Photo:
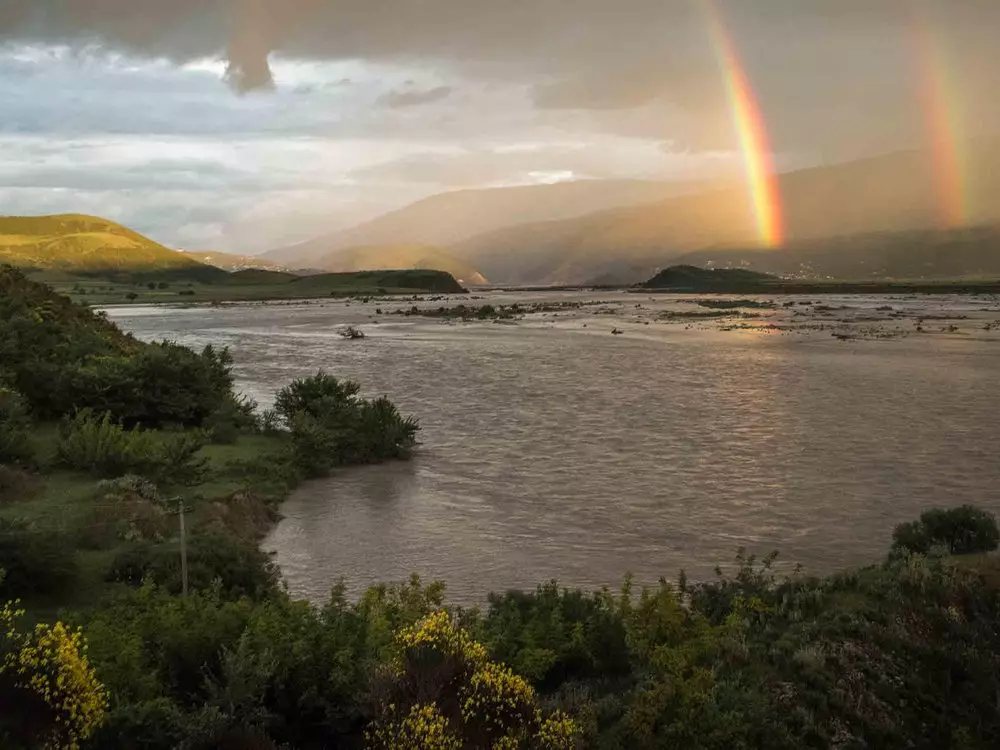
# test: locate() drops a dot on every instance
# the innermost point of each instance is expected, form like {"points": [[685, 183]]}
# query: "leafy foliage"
{"points": [[236, 415], [442, 691], [49, 693], [237, 567], [62, 357], [14, 421], [103, 447], [958, 531], [36, 561], [332, 425]]}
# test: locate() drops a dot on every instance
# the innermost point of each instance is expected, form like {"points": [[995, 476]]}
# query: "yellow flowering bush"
{"points": [[498, 701], [438, 633], [558, 732], [424, 727], [48, 667], [444, 692]]}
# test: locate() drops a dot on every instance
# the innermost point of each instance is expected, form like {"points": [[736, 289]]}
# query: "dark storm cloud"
{"points": [[834, 74]]}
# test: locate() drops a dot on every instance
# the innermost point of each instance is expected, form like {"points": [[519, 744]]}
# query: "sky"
{"points": [[245, 125]]}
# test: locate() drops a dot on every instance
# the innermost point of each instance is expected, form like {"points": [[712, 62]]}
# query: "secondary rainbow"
{"points": [[942, 109], [762, 181]]}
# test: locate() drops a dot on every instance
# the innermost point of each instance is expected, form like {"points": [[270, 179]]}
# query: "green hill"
{"points": [[91, 246], [693, 279]]}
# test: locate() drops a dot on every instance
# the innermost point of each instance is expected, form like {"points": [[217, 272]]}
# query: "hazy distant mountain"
{"points": [[89, 245], [971, 252], [399, 257], [894, 192], [449, 218]]}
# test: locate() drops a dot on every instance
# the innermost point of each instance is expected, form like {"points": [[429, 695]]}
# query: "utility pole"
{"points": [[184, 552]]}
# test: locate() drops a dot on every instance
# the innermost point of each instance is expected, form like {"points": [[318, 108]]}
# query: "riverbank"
{"points": [[246, 286]]}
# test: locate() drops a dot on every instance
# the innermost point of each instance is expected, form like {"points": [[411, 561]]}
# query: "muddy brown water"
{"points": [[553, 449]]}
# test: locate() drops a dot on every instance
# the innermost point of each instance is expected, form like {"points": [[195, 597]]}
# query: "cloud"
{"points": [[409, 98], [602, 157], [837, 75], [121, 107]]}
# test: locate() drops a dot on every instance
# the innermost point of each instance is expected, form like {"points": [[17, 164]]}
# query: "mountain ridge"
{"points": [[447, 218], [886, 193]]}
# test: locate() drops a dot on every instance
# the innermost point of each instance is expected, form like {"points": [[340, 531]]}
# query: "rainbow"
{"points": [[942, 112], [765, 195]]}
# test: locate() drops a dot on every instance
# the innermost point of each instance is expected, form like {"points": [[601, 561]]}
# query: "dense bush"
{"points": [[36, 561], [237, 566], [196, 671], [15, 484], [158, 384], [14, 422], [321, 396], [63, 357], [442, 690], [101, 446], [236, 416], [50, 696], [332, 425], [957, 531]]}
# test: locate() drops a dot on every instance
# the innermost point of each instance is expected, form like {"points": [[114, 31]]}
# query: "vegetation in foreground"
{"points": [[105, 652]]}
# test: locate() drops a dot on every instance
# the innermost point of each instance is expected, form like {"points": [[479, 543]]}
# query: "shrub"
{"points": [[177, 459], [314, 447], [49, 693], [14, 422], [379, 433], [128, 485], [101, 446], [331, 425], [270, 421], [36, 562], [15, 485], [963, 530], [443, 691], [321, 396], [236, 415], [155, 385], [239, 567]]}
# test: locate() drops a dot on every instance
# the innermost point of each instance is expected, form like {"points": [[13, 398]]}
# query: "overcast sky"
{"points": [[244, 125]]}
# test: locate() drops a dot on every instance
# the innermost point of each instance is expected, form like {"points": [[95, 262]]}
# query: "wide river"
{"points": [[553, 449]]}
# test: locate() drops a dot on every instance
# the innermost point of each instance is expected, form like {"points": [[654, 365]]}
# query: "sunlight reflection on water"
{"points": [[554, 450]]}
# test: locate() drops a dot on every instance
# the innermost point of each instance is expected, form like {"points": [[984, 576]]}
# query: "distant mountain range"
{"points": [[892, 193], [964, 253], [79, 244], [449, 218], [873, 218], [517, 236]]}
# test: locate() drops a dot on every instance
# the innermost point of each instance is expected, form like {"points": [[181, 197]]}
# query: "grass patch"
{"points": [[74, 504]]}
